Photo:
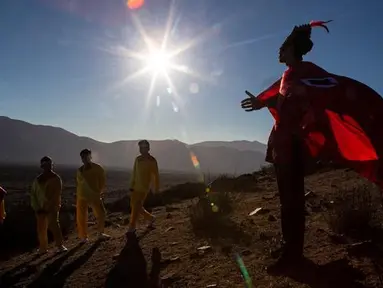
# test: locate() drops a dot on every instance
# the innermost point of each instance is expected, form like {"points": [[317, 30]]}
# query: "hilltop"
{"points": [[336, 258]]}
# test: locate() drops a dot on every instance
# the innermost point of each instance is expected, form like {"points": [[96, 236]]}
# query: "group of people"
{"points": [[46, 193]]}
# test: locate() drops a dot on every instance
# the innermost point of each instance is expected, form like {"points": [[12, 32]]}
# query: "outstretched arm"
{"points": [[267, 98]]}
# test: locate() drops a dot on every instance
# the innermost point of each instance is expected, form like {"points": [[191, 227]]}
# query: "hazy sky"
{"points": [[64, 62]]}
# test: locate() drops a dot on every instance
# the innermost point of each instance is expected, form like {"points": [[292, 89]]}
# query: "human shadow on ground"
{"points": [[332, 275], [130, 269], [54, 275], [24, 270]]}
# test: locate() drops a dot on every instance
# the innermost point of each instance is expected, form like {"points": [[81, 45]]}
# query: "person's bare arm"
{"points": [[254, 103]]}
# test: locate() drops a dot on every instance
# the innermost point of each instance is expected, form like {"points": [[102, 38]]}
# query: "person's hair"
{"points": [[85, 152], [300, 38], [46, 159], [143, 143]]}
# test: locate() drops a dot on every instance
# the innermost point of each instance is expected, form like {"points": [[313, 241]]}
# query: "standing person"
{"points": [[46, 202], [145, 173], [318, 116], [90, 186], [3, 214]]}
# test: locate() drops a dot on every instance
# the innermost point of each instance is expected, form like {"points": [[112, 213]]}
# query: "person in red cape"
{"points": [[318, 116]]}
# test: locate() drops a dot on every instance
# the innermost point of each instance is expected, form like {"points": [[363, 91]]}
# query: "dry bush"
{"points": [[210, 210], [356, 212]]}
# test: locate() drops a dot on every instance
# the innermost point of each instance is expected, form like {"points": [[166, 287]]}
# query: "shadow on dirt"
{"points": [[332, 275], [23, 271], [55, 274], [130, 269]]}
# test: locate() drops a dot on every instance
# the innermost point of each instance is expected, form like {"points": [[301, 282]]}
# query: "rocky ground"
{"points": [[191, 247]]}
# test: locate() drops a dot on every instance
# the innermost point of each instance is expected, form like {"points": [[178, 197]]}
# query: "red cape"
{"points": [[342, 124]]}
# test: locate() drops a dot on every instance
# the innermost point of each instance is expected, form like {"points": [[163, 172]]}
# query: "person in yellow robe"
{"points": [[46, 202], [145, 174], [3, 192], [90, 186]]}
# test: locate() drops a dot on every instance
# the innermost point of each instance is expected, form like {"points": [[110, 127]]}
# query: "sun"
{"points": [[158, 61]]}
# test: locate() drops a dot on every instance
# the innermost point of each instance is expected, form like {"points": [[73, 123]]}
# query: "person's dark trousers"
{"points": [[290, 178]]}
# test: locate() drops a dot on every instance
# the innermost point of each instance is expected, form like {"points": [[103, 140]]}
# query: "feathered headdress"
{"points": [[300, 37]]}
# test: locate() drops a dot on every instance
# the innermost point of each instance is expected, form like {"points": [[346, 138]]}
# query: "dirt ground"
{"points": [[208, 259]]}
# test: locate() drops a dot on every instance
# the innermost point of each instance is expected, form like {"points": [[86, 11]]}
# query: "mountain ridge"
{"points": [[26, 143]]}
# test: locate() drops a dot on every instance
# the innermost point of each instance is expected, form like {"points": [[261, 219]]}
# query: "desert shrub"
{"points": [[356, 211], [210, 210]]}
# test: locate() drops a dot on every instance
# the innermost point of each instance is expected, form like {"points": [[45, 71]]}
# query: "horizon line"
{"points": [[124, 140]]}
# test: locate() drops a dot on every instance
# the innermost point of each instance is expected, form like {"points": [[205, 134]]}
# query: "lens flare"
{"points": [[244, 272], [135, 4], [194, 160]]}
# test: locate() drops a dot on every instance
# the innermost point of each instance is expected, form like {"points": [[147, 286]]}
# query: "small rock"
{"points": [[204, 248], [272, 218], [171, 260]]}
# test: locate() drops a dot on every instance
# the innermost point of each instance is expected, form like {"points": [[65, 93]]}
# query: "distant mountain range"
{"points": [[25, 143]]}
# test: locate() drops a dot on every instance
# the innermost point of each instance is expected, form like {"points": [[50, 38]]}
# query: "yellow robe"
{"points": [[145, 173], [47, 195], [90, 182]]}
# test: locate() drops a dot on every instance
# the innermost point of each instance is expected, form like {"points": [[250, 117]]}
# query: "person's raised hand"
{"points": [[251, 103]]}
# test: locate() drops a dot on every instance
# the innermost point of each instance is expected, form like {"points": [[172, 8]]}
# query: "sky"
{"points": [[74, 64]]}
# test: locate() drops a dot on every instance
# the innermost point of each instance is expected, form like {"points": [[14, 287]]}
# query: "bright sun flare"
{"points": [[158, 61]]}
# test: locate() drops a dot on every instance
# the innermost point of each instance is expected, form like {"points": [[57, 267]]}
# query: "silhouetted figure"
{"points": [[318, 115]]}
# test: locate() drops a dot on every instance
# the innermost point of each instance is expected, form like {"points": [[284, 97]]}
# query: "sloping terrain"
{"points": [[27, 143], [334, 260]]}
